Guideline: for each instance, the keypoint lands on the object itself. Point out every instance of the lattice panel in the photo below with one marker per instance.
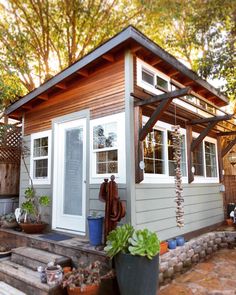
(10, 135)
(10, 144)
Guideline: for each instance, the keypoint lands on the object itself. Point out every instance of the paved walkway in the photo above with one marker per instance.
(216, 276)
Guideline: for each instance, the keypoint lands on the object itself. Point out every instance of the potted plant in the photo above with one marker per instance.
(136, 255)
(84, 280)
(8, 220)
(95, 224)
(32, 209)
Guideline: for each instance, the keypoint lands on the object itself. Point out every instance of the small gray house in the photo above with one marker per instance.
(112, 113)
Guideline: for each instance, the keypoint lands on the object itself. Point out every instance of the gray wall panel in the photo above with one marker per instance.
(155, 208)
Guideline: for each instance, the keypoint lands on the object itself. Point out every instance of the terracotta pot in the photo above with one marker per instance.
(90, 290)
(229, 221)
(163, 247)
(33, 228)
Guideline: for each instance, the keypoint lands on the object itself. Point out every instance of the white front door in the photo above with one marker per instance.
(69, 187)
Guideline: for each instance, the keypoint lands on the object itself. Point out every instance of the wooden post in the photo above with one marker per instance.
(220, 159)
(139, 173)
(189, 153)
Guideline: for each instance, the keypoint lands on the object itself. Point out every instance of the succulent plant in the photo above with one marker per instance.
(135, 242)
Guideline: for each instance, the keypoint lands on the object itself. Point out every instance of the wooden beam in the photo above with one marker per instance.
(202, 135)
(43, 96)
(61, 85)
(154, 118)
(29, 107)
(211, 119)
(155, 61)
(189, 138)
(226, 133)
(172, 73)
(84, 73)
(161, 97)
(109, 57)
(188, 83)
(135, 48)
(228, 147)
(139, 173)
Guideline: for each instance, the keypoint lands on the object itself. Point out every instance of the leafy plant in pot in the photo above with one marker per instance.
(32, 209)
(84, 280)
(136, 255)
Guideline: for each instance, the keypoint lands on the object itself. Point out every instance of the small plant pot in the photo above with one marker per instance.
(229, 222)
(180, 241)
(89, 290)
(95, 230)
(54, 275)
(163, 247)
(33, 228)
(171, 244)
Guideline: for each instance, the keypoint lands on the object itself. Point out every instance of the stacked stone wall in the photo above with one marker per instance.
(179, 260)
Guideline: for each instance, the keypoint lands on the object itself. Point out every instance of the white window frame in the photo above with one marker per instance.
(140, 64)
(165, 178)
(119, 119)
(38, 135)
(205, 179)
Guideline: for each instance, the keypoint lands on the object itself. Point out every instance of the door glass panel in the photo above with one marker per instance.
(73, 177)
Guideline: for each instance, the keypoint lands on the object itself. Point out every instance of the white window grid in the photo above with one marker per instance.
(34, 136)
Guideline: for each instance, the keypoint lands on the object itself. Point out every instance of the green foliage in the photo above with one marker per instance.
(136, 242)
(144, 243)
(33, 204)
(44, 201)
(118, 240)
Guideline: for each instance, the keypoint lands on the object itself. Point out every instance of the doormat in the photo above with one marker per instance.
(55, 237)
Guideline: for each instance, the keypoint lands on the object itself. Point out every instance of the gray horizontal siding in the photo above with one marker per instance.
(95, 205)
(155, 208)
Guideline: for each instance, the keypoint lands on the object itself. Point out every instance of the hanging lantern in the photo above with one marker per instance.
(232, 157)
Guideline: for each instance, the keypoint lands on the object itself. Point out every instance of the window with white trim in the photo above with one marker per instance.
(40, 161)
(151, 79)
(108, 147)
(159, 152)
(204, 159)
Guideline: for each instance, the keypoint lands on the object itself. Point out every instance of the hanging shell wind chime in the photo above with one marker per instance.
(177, 138)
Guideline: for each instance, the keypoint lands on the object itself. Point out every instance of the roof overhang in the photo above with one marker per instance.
(128, 34)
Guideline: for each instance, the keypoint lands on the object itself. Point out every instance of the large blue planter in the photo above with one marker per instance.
(95, 230)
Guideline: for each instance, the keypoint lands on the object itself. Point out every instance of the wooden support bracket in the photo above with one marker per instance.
(228, 147)
(156, 115)
(202, 135)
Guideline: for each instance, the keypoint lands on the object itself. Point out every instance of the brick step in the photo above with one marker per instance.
(6, 289)
(26, 280)
(32, 258)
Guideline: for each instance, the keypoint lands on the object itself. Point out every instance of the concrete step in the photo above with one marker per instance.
(25, 280)
(6, 289)
(32, 258)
